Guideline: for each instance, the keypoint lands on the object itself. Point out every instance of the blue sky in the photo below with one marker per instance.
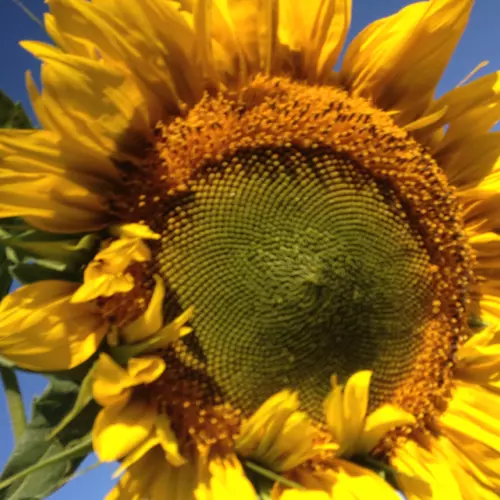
(480, 42)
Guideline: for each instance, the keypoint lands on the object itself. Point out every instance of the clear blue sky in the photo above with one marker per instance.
(480, 42)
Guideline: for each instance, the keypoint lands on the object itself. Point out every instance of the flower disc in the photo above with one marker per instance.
(312, 237)
(299, 265)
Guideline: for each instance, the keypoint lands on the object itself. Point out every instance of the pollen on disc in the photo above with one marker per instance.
(299, 264)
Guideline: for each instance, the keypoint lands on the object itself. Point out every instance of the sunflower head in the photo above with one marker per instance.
(330, 236)
(300, 221)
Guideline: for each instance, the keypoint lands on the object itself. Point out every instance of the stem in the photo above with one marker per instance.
(14, 401)
(29, 13)
(377, 464)
(83, 448)
(77, 474)
(272, 475)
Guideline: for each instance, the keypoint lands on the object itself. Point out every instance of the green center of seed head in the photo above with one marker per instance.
(297, 269)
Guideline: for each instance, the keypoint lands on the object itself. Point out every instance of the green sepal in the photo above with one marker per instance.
(64, 453)
(70, 251)
(122, 353)
(475, 322)
(31, 272)
(36, 255)
(12, 114)
(83, 399)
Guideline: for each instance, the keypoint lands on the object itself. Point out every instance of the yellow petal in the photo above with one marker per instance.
(478, 360)
(152, 319)
(118, 255)
(357, 483)
(469, 160)
(424, 476)
(111, 382)
(346, 480)
(252, 428)
(179, 482)
(168, 440)
(168, 74)
(66, 41)
(379, 423)
(41, 330)
(277, 434)
(473, 412)
(304, 495)
(490, 309)
(39, 197)
(203, 40)
(464, 105)
(174, 330)
(103, 286)
(106, 275)
(134, 230)
(136, 455)
(474, 467)
(345, 411)
(135, 484)
(145, 369)
(398, 61)
(224, 480)
(39, 151)
(316, 30)
(334, 412)
(295, 444)
(481, 212)
(89, 103)
(251, 29)
(119, 429)
(355, 404)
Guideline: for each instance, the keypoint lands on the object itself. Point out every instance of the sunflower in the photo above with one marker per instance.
(331, 236)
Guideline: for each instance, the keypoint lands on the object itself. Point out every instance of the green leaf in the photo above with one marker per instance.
(12, 115)
(64, 452)
(82, 448)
